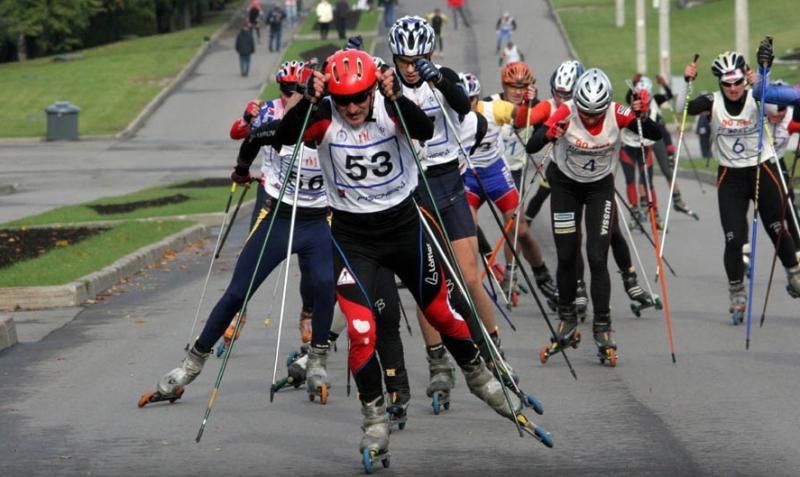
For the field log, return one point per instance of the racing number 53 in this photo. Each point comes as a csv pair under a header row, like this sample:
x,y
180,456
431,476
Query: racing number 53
x,y
358,171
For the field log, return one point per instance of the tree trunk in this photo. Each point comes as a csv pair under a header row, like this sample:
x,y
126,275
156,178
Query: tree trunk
x,y
22,49
187,14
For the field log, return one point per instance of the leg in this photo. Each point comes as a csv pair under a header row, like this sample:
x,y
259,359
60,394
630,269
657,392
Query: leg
x,y
536,202
734,189
600,217
775,218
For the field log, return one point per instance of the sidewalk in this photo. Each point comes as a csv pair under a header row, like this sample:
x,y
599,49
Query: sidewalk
x,y
186,137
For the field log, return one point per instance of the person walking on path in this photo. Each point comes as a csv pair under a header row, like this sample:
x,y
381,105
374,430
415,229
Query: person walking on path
x,y
505,28
290,7
245,46
457,7
275,19
253,14
340,15
388,12
437,21
324,18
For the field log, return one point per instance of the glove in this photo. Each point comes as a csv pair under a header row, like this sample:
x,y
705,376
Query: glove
x,y
315,87
636,78
671,149
251,110
642,103
765,54
241,175
389,84
355,43
530,94
557,130
661,80
428,71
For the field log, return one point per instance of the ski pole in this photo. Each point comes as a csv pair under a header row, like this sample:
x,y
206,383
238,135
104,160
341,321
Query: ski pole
x,y
677,161
640,226
247,295
636,254
499,222
233,219
764,72
210,267
652,210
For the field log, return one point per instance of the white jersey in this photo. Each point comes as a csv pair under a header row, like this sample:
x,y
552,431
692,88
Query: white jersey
x,y
442,147
491,148
368,168
468,131
275,165
513,148
631,138
734,139
585,157
780,133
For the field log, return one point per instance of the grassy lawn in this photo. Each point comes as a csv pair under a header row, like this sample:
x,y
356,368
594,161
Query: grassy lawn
x,y
111,84
707,30
293,51
202,200
368,21
64,264
713,164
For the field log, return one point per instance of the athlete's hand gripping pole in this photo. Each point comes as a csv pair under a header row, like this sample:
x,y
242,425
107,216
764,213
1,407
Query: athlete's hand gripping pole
x,y
653,226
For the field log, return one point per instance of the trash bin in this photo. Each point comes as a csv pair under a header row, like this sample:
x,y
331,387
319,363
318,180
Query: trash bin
x,y
62,121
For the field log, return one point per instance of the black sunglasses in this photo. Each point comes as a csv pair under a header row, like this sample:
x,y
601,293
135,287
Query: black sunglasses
x,y
346,99
735,83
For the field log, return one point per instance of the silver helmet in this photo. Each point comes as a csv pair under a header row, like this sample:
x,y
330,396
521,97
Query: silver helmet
x,y
593,93
728,66
563,80
411,36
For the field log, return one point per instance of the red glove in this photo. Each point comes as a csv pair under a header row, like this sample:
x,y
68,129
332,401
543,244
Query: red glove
x,y
557,130
642,103
671,149
251,110
530,94
240,175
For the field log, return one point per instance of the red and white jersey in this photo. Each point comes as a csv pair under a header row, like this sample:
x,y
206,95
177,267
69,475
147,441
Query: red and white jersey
x,y
275,165
368,168
586,156
734,139
443,146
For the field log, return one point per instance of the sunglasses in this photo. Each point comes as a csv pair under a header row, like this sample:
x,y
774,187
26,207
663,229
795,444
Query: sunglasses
x,y
289,88
404,61
346,99
731,85
517,85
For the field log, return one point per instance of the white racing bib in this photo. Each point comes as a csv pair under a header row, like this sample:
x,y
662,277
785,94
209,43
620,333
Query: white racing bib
x,y
369,168
734,139
584,157
491,147
443,146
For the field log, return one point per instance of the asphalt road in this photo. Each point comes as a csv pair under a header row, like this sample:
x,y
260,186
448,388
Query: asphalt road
x,y
68,402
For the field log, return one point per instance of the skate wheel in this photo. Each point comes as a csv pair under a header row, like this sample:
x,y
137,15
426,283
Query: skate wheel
x,y
515,298
576,340
612,357
323,394
311,397
659,303
447,406
543,354
636,310
385,462
145,399
534,404
271,393
220,349
436,404
366,460
400,426
178,393
544,436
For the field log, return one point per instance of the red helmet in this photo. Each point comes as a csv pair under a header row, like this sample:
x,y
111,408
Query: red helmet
x,y
517,74
351,72
289,72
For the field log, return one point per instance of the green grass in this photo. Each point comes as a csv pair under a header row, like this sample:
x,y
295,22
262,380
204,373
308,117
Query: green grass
x,y
63,265
368,21
707,30
293,51
111,84
700,164
203,200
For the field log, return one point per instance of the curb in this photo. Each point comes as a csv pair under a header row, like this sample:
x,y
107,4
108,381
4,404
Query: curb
x,y
156,102
6,189
562,30
8,332
86,287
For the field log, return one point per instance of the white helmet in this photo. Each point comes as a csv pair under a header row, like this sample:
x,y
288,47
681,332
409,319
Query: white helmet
x,y
470,83
593,92
644,84
411,36
563,80
728,66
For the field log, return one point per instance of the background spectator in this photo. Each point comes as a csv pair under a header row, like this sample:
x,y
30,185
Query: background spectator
x,y
324,18
290,7
340,15
505,27
275,19
253,14
388,12
457,6
245,46
437,21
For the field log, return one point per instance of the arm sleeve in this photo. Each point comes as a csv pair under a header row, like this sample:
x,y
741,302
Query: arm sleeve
x,y
627,119
286,133
794,126
538,114
239,129
701,104
537,140
248,151
667,92
264,135
419,124
788,95
453,92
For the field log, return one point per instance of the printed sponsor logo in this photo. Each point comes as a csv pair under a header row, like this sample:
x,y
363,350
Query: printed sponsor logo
x,y
570,230
564,216
345,278
606,218
341,135
382,195
361,326
380,304
363,136
564,224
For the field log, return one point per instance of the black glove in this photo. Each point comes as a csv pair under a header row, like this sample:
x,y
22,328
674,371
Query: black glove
x,y
397,89
241,175
355,43
428,71
310,93
765,54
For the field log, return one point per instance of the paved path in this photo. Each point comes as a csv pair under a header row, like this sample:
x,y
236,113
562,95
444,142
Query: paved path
x,y
69,399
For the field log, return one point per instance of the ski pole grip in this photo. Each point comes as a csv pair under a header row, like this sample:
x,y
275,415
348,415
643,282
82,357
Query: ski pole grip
x,y
696,57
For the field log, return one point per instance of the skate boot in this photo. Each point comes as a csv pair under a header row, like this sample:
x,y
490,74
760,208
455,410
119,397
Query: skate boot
x,y
305,326
316,374
603,338
793,277
507,375
296,365
510,282
228,337
375,441
679,205
738,302
171,386
581,300
547,285
442,378
397,409
567,333
639,298
489,390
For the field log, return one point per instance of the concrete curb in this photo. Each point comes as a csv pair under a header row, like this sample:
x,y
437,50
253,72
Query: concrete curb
x,y
563,30
86,287
8,332
156,102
